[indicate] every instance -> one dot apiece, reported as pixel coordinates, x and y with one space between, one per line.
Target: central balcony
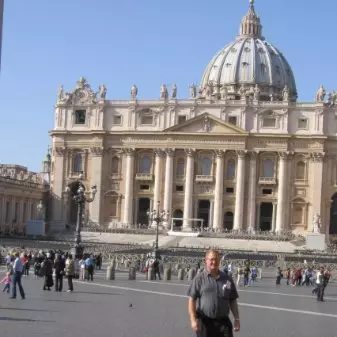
144 176
204 179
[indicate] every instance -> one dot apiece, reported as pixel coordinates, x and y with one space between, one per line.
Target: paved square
140 308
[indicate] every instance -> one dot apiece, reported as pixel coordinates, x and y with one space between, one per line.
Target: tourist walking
279 276
59 266
320 285
89 265
7 280
70 272
17 274
217 296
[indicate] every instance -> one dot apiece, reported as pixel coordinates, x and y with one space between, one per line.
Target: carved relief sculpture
257 93
60 94
285 94
207 124
224 92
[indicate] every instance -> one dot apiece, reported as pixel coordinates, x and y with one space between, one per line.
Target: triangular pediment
206 123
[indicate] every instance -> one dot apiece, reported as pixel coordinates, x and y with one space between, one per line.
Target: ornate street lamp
157 216
80 197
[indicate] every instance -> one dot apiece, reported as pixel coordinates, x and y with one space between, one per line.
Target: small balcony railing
115 176
144 176
204 179
267 181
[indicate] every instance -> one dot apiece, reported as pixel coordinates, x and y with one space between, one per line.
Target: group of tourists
52 266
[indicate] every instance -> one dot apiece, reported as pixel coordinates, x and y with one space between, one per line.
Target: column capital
253 155
283 155
241 154
317 156
190 152
159 152
219 153
97 151
60 150
169 152
129 151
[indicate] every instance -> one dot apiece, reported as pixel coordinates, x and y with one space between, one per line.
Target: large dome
250 62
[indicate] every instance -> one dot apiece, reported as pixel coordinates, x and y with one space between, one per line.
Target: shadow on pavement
28 309
23 320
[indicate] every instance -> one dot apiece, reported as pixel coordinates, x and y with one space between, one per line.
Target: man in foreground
212 296
17 274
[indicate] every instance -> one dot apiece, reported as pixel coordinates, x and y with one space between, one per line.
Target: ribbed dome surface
249 61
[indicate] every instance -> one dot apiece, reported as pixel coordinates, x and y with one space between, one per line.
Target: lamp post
80 197
46 170
157 216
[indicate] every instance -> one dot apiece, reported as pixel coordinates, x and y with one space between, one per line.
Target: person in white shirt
17 273
320 284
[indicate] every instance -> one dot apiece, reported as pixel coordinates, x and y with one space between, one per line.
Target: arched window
300 170
268 168
77 163
180 169
115 165
230 169
145 164
205 166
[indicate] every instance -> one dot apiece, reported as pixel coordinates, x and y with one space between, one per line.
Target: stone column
189 182
57 190
157 178
251 216
129 178
211 214
218 191
3 211
239 193
168 184
282 191
273 224
316 187
95 207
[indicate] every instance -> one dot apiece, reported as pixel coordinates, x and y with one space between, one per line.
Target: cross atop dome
250 24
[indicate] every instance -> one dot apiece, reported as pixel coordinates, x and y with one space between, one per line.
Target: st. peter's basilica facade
241 153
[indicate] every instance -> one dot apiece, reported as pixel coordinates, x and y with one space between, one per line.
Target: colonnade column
282 190
273 222
95 207
239 193
218 190
129 178
157 179
251 221
168 185
188 197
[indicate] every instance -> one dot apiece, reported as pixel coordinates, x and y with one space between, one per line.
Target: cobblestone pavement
141 308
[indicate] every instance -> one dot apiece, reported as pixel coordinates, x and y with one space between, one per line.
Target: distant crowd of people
52 266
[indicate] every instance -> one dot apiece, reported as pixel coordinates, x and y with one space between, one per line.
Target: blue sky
47 43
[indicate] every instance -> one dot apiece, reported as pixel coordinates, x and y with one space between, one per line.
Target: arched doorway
266 215
228 221
178 214
144 206
72 204
333 215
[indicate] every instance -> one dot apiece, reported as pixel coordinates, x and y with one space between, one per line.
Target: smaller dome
248 64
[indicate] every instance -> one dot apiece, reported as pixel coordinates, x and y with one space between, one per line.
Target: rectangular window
113 207
232 120
269 122
302 124
267 191
147 120
179 188
182 119
80 116
144 187
229 190
117 120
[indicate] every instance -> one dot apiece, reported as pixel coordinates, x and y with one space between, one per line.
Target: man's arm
193 314
233 304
